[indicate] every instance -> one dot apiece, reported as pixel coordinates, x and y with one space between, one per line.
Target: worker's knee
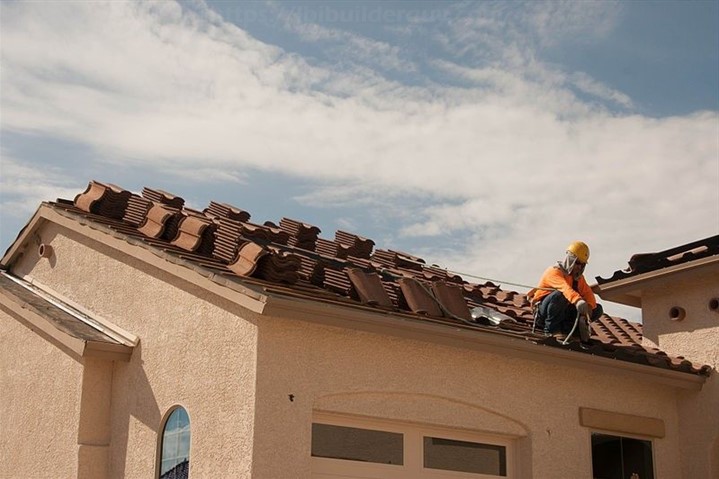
597 312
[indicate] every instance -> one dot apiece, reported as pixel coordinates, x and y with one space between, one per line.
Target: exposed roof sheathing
290 258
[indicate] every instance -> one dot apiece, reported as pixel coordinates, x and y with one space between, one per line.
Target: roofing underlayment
290 258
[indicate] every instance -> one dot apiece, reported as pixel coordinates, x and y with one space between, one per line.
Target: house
141 338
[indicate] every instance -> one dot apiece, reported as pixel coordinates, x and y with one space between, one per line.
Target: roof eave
629 290
24 239
79 346
386 323
225 287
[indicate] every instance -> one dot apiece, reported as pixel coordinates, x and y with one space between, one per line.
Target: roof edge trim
227 288
384 323
77 311
78 346
628 290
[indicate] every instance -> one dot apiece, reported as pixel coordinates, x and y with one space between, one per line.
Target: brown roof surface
648 262
291 259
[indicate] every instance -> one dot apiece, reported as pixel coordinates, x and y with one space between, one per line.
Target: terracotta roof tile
223 210
450 297
648 262
163 197
247 259
192 232
157 220
291 259
103 199
418 297
369 287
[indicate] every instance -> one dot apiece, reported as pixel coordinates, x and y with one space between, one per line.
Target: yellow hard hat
580 250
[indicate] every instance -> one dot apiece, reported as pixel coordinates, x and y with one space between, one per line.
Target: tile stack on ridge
196 233
103 199
228 239
223 210
163 197
281 267
137 208
350 274
353 245
302 235
328 248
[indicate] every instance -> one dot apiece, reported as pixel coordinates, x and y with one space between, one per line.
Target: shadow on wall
132 398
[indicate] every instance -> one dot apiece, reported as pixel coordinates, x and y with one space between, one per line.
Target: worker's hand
583 308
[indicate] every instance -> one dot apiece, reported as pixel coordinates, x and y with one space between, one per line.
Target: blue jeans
558 314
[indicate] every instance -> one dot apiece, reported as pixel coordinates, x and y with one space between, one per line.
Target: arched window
175 446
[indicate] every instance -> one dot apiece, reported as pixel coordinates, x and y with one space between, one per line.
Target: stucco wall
38 439
345 371
195 350
696 337
228 368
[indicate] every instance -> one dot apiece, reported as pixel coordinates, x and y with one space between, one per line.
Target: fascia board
392 325
113 352
629 290
23 239
185 270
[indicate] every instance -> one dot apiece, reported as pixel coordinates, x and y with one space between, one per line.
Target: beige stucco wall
38 438
372 375
234 372
696 337
195 350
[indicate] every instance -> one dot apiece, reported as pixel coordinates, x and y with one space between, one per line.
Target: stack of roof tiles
301 235
292 258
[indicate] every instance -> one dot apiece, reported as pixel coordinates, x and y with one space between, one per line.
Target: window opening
175 446
465 456
364 448
355 444
616 457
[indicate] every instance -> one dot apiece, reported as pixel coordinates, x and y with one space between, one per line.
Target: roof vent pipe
44 250
714 305
677 313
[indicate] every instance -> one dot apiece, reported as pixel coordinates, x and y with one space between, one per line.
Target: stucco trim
206 279
629 290
404 327
621 423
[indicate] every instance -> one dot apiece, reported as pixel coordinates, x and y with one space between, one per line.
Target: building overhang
61 324
280 302
29 240
389 323
629 290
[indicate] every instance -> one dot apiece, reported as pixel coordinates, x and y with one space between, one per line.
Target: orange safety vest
555 279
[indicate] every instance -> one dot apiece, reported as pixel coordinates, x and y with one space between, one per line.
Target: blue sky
483 136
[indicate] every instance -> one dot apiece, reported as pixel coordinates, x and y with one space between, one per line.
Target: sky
481 136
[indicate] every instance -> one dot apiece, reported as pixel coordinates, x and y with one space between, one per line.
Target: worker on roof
563 292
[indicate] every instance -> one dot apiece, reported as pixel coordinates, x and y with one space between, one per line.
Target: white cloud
343 44
24 187
514 160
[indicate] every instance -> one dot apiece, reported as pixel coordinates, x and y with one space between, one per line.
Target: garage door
356 448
